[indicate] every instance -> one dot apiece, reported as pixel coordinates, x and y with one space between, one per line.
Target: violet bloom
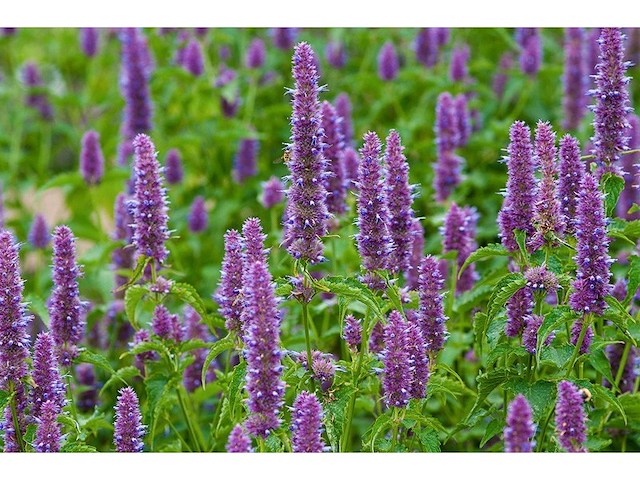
418 360
128 429
539 279
48 430
397 370
272 192
398 194
501 76
343 109
245 161
576 328
376 339
149 205
593 53
417 252
575 78
14 339
518 307
530 332
572 169
447 170
284 38
165 325
230 286
193 60
230 106
458 233
306 424
336 54
91 158
225 76
196 330
388 62
323 370
66 310
629 370
611 101
39 236
198 216
531 53
333 139
239 441
442 36
256 53
631 173
351 163
571 418
352 332
591 285
89 38
122 257
306 213
519 429
263 352
254 238
463 119
134 84
374 241
547 217
35 98
426 47
173 170
47 381
141 336
518 205
431 316
458 68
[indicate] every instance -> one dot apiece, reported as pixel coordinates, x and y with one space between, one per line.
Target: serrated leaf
78 448
142 263
381 424
218 347
618 314
132 297
487 382
121 375
335 413
482 253
600 363
480 322
429 440
631 405
503 291
612 186
194 344
351 288
540 394
142 347
495 427
633 279
187 293
552 321
159 395
87 356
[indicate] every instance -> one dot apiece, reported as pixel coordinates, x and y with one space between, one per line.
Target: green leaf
188 294
521 240
381 424
633 278
78 448
631 405
490 251
4 399
540 395
121 375
132 297
142 347
160 393
194 344
429 440
618 314
552 321
487 382
612 186
601 364
143 261
335 413
351 288
87 356
218 347
480 323
503 291
68 179
495 427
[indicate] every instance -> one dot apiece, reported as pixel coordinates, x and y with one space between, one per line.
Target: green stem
72 402
305 322
544 430
576 350
623 363
195 433
394 431
14 416
530 368
261 445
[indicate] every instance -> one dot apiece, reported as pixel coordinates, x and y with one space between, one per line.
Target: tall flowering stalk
399 203
35 98
343 109
173 170
388 62
447 170
518 206
571 171
89 39
458 68
306 213
431 315
239 441
230 286
198 216
334 140
458 233
91 158
263 351
39 236
134 84
519 431
530 50
397 370
418 359
245 162
426 47
611 101
374 241
272 192
417 252
519 306
122 257
48 430
306 424
501 76
14 342
570 418
128 429
47 381
66 310
575 78
193 58
149 205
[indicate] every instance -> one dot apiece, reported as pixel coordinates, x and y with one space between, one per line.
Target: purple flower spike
256 54
89 38
134 84
501 76
519 430
352 332
458 233
575 78
306 424
397 370
173 170
351 163
198 216
47 381
284 38
66 310
631 173
39 236
530 51
34 99
193 58
245 161
426 47
254 238
306 214
149 206
447 170
518 206
458 68
343 109
541 279
239 441
374 241
418 360
530 332
464 120
48 431
629 371
376 340
14 339
547 217
611 100
128 429
122 257
163 323
570 418
576 328
417 252
399 203
388 62
91 158
572 169
196 330
86 377
272 192
591 285
334 141
263 352
431 317
230 287
518 307
140 336
336 54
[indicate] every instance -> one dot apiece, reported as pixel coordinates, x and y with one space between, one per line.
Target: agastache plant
431 315
519 429
397 370
48 431
245 161
306 424
575 78
39 236
571 171
128 428
458 233
570 418
388 62
91 158
334 140
447 169
46 376
229 290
